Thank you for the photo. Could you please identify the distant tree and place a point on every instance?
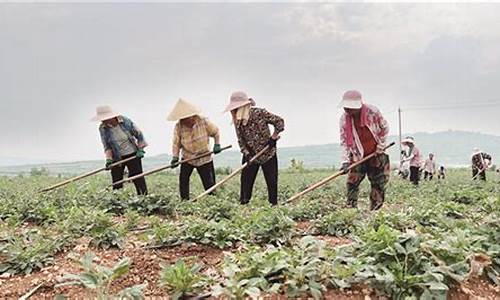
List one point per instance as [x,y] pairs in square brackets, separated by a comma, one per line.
[39,172]
[296,165]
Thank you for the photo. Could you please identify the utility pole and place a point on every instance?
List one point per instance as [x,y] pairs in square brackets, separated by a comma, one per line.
[400,137]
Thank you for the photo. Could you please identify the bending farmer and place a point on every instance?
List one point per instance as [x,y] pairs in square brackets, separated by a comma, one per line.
[363,131]
[122,139]
[191,136]
[251,124]
[480,162]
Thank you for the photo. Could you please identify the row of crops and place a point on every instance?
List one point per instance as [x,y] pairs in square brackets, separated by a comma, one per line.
[423,242]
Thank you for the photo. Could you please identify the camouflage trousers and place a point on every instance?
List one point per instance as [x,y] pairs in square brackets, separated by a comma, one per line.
[378,170]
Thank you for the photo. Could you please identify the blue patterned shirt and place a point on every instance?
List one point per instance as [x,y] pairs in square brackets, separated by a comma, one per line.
[110,143]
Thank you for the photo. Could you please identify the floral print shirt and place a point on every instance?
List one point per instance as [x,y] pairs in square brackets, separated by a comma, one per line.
[478,160]
[253,136]
[377,125]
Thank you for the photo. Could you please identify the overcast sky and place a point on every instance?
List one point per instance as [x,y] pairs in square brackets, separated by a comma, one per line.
[59,61]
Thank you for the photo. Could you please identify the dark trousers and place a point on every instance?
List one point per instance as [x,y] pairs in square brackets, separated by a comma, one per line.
[134,167]
[482,175]
[207,175]
[428,175]
[249,174]
[415,175]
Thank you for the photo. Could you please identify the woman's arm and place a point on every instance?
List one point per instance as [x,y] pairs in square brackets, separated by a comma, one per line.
[176,141]
[107,148]
[137,133]
[213,131]
[275,120]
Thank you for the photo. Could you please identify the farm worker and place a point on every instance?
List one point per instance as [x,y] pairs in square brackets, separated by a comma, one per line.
[429,167]
[480,162]
[441,173]
[122,139]
[404,167]
[414,157]
[251,124]
[191,136]
[363,131]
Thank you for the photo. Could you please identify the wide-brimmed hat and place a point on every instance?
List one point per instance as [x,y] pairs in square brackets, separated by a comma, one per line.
[238,99]
[182,110]
[408,140]
[104,112]
[351,99]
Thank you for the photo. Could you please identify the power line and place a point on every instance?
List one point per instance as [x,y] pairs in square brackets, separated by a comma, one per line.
[443,106]
[446,106]
[453,106]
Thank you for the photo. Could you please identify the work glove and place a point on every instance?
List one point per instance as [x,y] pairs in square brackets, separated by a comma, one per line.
[344,168]
[217,149]
[271,143]
[140,153]
[174,162]
[109,162]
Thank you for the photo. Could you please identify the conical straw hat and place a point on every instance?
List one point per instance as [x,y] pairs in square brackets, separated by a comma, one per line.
[183,109]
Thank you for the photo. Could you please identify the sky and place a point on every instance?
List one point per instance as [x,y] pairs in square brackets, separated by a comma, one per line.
[59,61]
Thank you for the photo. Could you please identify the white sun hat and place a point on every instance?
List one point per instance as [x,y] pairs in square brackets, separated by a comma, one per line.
[182,110]
[408,140]
[351,99]
[237,100]
[104,112]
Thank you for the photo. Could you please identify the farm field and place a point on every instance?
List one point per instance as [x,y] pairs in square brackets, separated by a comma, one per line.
[438,241]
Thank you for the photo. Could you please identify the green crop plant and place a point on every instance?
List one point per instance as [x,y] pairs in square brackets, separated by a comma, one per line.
[28,253]
[182,280]
[339,223]
[98,279]
[105,233]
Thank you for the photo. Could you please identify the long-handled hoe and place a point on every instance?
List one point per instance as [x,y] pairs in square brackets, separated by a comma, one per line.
[332,177]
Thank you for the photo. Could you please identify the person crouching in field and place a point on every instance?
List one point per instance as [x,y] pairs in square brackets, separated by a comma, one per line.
[441,173]
[429,167]
[480,162]
[251,124]
[122,139]
[191,135]
[363,131]
[415,159]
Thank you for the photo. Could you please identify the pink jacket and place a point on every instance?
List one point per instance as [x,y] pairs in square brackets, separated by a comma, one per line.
[349,139]
[416,160]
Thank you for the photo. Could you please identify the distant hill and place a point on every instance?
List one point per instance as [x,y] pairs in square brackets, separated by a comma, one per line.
[452,149]
[16,161]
